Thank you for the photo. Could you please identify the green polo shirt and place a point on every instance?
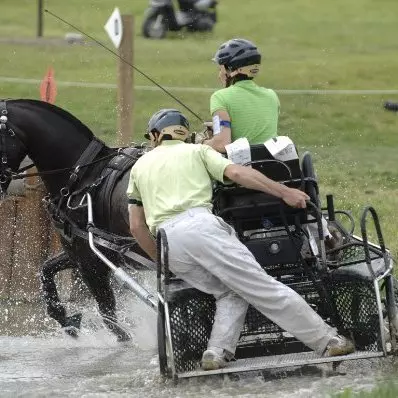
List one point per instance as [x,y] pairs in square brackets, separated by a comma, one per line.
[253,110]
[175,177]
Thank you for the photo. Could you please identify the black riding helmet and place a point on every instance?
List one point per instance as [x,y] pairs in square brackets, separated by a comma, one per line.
[237,53]
[165,118]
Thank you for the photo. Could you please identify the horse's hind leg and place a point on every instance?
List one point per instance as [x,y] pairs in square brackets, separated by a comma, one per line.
[55,309]
[98,281]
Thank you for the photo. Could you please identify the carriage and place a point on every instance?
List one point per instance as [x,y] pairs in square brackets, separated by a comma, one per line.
[350,286]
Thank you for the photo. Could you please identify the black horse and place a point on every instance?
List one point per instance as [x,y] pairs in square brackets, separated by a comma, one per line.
[71,161]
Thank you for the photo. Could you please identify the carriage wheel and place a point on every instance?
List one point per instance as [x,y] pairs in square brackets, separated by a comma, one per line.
[311,189]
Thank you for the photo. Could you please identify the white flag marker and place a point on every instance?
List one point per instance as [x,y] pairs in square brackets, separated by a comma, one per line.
[114,27]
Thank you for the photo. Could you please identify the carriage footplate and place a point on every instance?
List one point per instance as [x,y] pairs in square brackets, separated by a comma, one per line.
[280,361]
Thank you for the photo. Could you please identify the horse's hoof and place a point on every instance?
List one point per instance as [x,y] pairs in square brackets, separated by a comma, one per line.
[73,321]
[72,331]
[123,337]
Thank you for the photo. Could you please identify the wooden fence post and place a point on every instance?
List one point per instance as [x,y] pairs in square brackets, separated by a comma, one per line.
[125,84]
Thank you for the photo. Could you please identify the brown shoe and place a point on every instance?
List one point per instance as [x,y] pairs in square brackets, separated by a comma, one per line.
[213,359]
[339,345]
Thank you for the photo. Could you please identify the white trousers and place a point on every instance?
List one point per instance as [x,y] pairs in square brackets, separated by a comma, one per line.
[205,252]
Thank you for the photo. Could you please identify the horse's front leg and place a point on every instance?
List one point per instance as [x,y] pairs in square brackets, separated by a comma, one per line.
[55,309]
[97,278]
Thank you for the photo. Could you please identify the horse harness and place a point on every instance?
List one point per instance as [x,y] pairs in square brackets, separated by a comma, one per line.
[59,207]
[5,172]
[121,160]
[69,199]
[101,188]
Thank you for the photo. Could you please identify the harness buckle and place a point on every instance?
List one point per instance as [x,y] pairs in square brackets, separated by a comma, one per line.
[71,207]
[64,192]
[72,178]
[46,200]
[97,182]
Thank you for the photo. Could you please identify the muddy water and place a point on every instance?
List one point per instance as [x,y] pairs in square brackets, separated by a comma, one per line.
[38,360]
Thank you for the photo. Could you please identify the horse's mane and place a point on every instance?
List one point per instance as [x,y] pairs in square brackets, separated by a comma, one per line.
[59,111]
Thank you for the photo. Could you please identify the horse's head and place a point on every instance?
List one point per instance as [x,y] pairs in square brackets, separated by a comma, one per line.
[52,138]
[12,152]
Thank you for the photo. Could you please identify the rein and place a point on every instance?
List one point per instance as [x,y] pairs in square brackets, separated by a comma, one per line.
[20,174]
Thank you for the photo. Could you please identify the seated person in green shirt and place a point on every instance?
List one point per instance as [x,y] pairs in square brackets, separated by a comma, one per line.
[242,108]
[170,187]
[245,110]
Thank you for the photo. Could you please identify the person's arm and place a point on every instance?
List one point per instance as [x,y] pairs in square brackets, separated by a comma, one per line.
[140,231]
[253,179]
[223,138]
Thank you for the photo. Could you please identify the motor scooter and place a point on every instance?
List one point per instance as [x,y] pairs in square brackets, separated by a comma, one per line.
[194,15]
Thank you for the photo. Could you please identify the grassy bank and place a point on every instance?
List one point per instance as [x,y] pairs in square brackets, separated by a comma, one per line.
[325,45]
[389,390]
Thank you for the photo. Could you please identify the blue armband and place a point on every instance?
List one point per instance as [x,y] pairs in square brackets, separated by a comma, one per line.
[225,123]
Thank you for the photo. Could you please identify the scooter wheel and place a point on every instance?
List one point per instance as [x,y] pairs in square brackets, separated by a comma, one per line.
[154,27]
[202,24]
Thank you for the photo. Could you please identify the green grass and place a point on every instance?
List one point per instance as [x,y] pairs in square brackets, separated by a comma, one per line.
[388,390]
[305,45]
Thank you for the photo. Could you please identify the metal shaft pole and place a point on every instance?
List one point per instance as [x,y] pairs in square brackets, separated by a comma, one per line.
[120,274]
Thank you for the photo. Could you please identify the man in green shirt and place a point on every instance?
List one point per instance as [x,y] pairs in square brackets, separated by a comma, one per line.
[171,188]
[242,108]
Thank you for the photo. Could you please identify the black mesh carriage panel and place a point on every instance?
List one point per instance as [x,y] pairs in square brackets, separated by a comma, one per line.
[192,312]
[356,305]
[351,292]
[191,315]
[261,336]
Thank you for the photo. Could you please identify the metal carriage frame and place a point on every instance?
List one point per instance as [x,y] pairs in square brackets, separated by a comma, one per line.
[354,294]
[361,291]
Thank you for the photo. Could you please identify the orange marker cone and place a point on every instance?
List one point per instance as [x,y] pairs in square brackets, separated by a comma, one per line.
[48,87]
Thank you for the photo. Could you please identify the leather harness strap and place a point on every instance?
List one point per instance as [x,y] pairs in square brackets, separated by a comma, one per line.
[89,154]
[4,129]
[112,173]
